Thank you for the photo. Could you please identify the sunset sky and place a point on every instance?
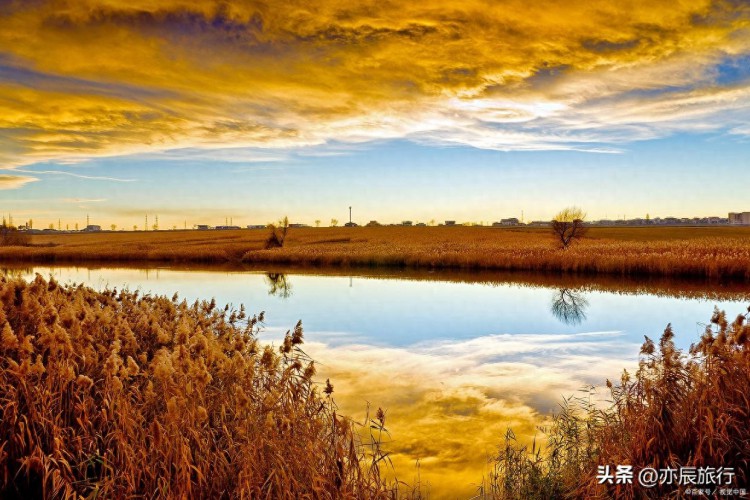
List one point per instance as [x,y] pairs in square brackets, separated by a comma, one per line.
[200,110]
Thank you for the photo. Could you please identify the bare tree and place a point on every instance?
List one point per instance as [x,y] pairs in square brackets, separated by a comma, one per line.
[569,226]
[334,222]
[317,222]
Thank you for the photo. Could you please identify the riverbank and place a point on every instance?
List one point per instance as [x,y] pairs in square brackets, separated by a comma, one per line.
[694,252]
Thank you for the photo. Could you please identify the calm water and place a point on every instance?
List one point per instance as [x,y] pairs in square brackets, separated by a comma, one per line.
[455,359]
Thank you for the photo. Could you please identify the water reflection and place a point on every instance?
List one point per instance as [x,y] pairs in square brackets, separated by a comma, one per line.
[569,306]
[279,285]
[17,272]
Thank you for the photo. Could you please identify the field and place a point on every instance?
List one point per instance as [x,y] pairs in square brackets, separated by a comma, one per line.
[699,252]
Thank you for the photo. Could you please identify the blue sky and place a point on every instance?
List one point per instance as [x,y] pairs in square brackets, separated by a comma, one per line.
[684,175]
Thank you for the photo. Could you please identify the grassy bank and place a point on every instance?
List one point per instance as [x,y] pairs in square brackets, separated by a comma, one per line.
[111,395]
[716,253]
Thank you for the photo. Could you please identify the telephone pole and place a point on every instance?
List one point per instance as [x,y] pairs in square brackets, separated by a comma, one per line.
[350,215]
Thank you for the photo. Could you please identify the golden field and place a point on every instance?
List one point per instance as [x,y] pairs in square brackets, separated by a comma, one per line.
[704,252]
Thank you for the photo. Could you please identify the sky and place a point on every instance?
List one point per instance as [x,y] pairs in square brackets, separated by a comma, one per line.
[205,112]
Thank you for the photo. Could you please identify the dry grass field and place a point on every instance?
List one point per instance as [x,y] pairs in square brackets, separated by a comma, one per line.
[703,252]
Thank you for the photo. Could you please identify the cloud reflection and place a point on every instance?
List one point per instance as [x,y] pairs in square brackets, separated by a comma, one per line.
[450,402]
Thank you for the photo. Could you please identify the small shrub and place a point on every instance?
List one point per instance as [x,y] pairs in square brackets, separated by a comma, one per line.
[278,234]
[10,236]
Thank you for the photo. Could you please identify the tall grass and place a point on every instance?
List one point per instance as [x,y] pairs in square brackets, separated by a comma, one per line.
[12,237]
[716,253]
[678,410]
[115,395]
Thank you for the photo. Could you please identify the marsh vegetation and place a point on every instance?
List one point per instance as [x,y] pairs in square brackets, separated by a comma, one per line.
[715,253]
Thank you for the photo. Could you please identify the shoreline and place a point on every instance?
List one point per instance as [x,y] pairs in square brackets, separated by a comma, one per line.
[721,254]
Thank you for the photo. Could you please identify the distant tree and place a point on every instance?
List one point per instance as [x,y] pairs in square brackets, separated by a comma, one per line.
[51,226]
[334,222]
[278,234]
[113,227]
[135,227]
[76,226]
[317,222]
[569,226]
[432,222]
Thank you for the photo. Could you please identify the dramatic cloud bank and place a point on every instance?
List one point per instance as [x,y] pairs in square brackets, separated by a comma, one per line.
[84,78]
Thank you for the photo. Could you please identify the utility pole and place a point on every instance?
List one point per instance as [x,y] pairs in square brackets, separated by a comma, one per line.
[156,226]
[145,227]
[58,225]
[88,223]
[350,215]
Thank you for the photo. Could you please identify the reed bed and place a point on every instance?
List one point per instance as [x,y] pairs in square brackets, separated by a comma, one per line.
[115,395]
[694,252]
[678,410]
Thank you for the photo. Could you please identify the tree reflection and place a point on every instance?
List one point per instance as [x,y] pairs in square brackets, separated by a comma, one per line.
[569,306]
[278,285]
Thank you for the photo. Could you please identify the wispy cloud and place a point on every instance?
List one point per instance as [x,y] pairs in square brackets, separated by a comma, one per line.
[76,175]
[15,181]
[83,200]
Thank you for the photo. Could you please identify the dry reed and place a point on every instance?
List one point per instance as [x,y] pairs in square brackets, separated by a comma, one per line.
[677,411]
[108,394]
[716,253]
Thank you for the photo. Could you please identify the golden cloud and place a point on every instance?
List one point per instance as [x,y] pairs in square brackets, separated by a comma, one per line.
[14,181]
[89,78]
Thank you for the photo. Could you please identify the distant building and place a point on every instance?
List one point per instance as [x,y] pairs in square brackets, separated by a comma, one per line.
[227,227]
[421,224]
[256,226]
[300,225]
[373,223]
[450,223]
[350,224]
[739,218]
[406,223]
[539,223]
[92,228]
[510,222]
[202,227]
